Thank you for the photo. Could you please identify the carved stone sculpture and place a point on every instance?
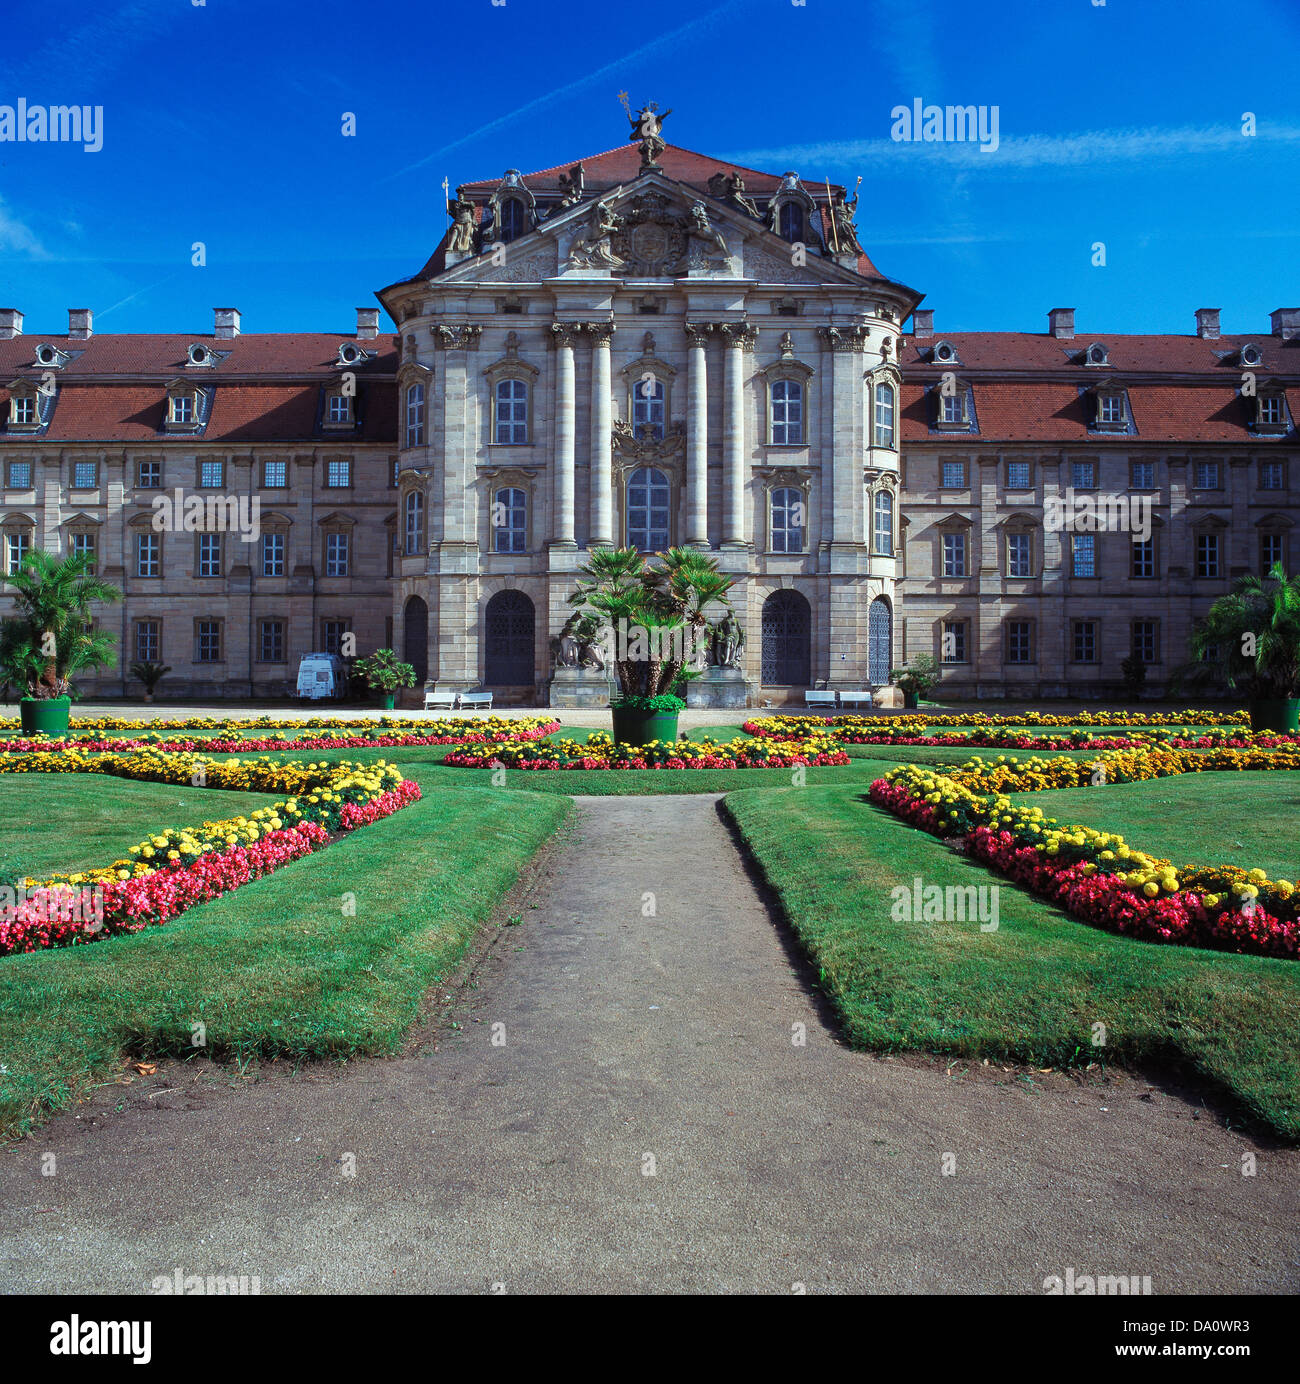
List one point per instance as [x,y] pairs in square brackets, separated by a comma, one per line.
[647,127]
[593,250]
[727,642]
[736,191]
[845,213]
[462,226]
[701,228]
[572,186]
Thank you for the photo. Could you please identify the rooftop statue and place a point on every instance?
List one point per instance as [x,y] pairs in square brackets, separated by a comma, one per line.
[647,126]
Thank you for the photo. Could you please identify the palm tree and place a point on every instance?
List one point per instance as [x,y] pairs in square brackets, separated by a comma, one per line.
[664,604]
[1254,632]
[55,638]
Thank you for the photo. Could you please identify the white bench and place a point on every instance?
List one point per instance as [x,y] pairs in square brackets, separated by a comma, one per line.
[482,700]
[440,701]
[855,698]
[823,698]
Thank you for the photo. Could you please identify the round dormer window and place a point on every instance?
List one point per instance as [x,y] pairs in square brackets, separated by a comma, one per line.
[349,355]
[1249,355]
[199,355]
[943,352]
[46,355]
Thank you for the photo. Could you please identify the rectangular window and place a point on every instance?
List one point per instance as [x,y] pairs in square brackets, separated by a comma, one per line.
[1206,476]
[787,413]
[1271,412]
[1085,641]
[22,409]
[512,411]
[1272,549]
[20,475]
[1144,475]
[1020,554]
[148,554]
[952,408]
[952,644]
[275,475]
[1083,475]
[1144,558]
[84,543]
[340,408]
[1020,641]
[1207,554]
[1018,475]
[85,475]
[332,632]
[415,416]
[148,641]
[212,474]
[1083,552]
[207,641]
[209,555]
[884,415]
[954,475]
[148,475]
[1110,410]
[182,408]
[271,642]
[273,554]
[1272,475]
[954,555]
[17,546]
[336,554]
[1146,644]
[338,475]
[787,520]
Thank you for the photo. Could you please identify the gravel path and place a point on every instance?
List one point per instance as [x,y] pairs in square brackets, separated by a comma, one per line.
[645,1123]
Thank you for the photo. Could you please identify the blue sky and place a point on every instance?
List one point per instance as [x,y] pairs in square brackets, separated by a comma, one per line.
[1119,123]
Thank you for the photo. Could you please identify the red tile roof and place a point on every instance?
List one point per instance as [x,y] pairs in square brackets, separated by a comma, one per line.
[164,355]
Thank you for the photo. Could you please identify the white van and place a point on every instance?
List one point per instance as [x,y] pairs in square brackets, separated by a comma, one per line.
[322,675]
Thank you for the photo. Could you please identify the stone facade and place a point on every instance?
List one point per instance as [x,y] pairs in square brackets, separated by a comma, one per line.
[654,348]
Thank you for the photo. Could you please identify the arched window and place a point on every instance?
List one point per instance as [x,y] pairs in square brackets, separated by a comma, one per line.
[787,640]
[648,409]
[884,415]
[512,412]
[791,222]
[787,520]
[647,510]
[415,637]
[883,527]
[511,213]
[414,523]
[787,412]
[415,415]
[880,641]
[510,521]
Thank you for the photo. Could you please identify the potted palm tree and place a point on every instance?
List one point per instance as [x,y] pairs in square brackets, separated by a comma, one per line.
[1252,637]
[384,674]
[915,678]
[151,674]
[55,638]
[658,617]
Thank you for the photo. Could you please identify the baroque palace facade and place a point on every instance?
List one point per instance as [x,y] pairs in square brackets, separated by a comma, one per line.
[652,347]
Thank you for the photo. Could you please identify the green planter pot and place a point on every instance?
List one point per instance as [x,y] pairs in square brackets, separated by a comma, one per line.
[1280,714]
[390,700]
[641,727]
[45,715]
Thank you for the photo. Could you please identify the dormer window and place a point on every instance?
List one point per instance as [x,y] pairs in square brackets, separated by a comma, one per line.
[1096,354]
[182,410]
[186,407]
[23,412]
[790,222]
[945,354]
[338,410]
[954,410]
[349,354]
[200,355]
[511,221]
[1250,354]
[1270,411]
[1110,410]
[51,357]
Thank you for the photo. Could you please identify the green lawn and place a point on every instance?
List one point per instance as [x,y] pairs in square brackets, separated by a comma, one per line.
[1029,992]
[1248,819]
[279,967]
[69,822]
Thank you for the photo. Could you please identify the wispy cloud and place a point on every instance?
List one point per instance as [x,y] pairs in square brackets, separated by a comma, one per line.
[669,44]
[18,238]
[1023,152]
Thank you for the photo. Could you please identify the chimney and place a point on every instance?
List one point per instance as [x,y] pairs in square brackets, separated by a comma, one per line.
[1060,322]
[923,323]
[367,324]
[1207,323]
[1286,323]
[11,323]
[225,322]
[79,323]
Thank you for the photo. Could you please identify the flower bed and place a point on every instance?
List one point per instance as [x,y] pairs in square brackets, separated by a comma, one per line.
[864,730]
[602,752]
[431,733]
[180,866]
[1096,875]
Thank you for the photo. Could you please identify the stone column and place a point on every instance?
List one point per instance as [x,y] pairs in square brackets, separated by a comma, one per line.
[697,436]
[562,525]
[738,336]
[602,431]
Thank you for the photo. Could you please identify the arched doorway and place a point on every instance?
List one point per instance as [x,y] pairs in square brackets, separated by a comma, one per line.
[415,638]
[880,641]
[509,626]
[787,640]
